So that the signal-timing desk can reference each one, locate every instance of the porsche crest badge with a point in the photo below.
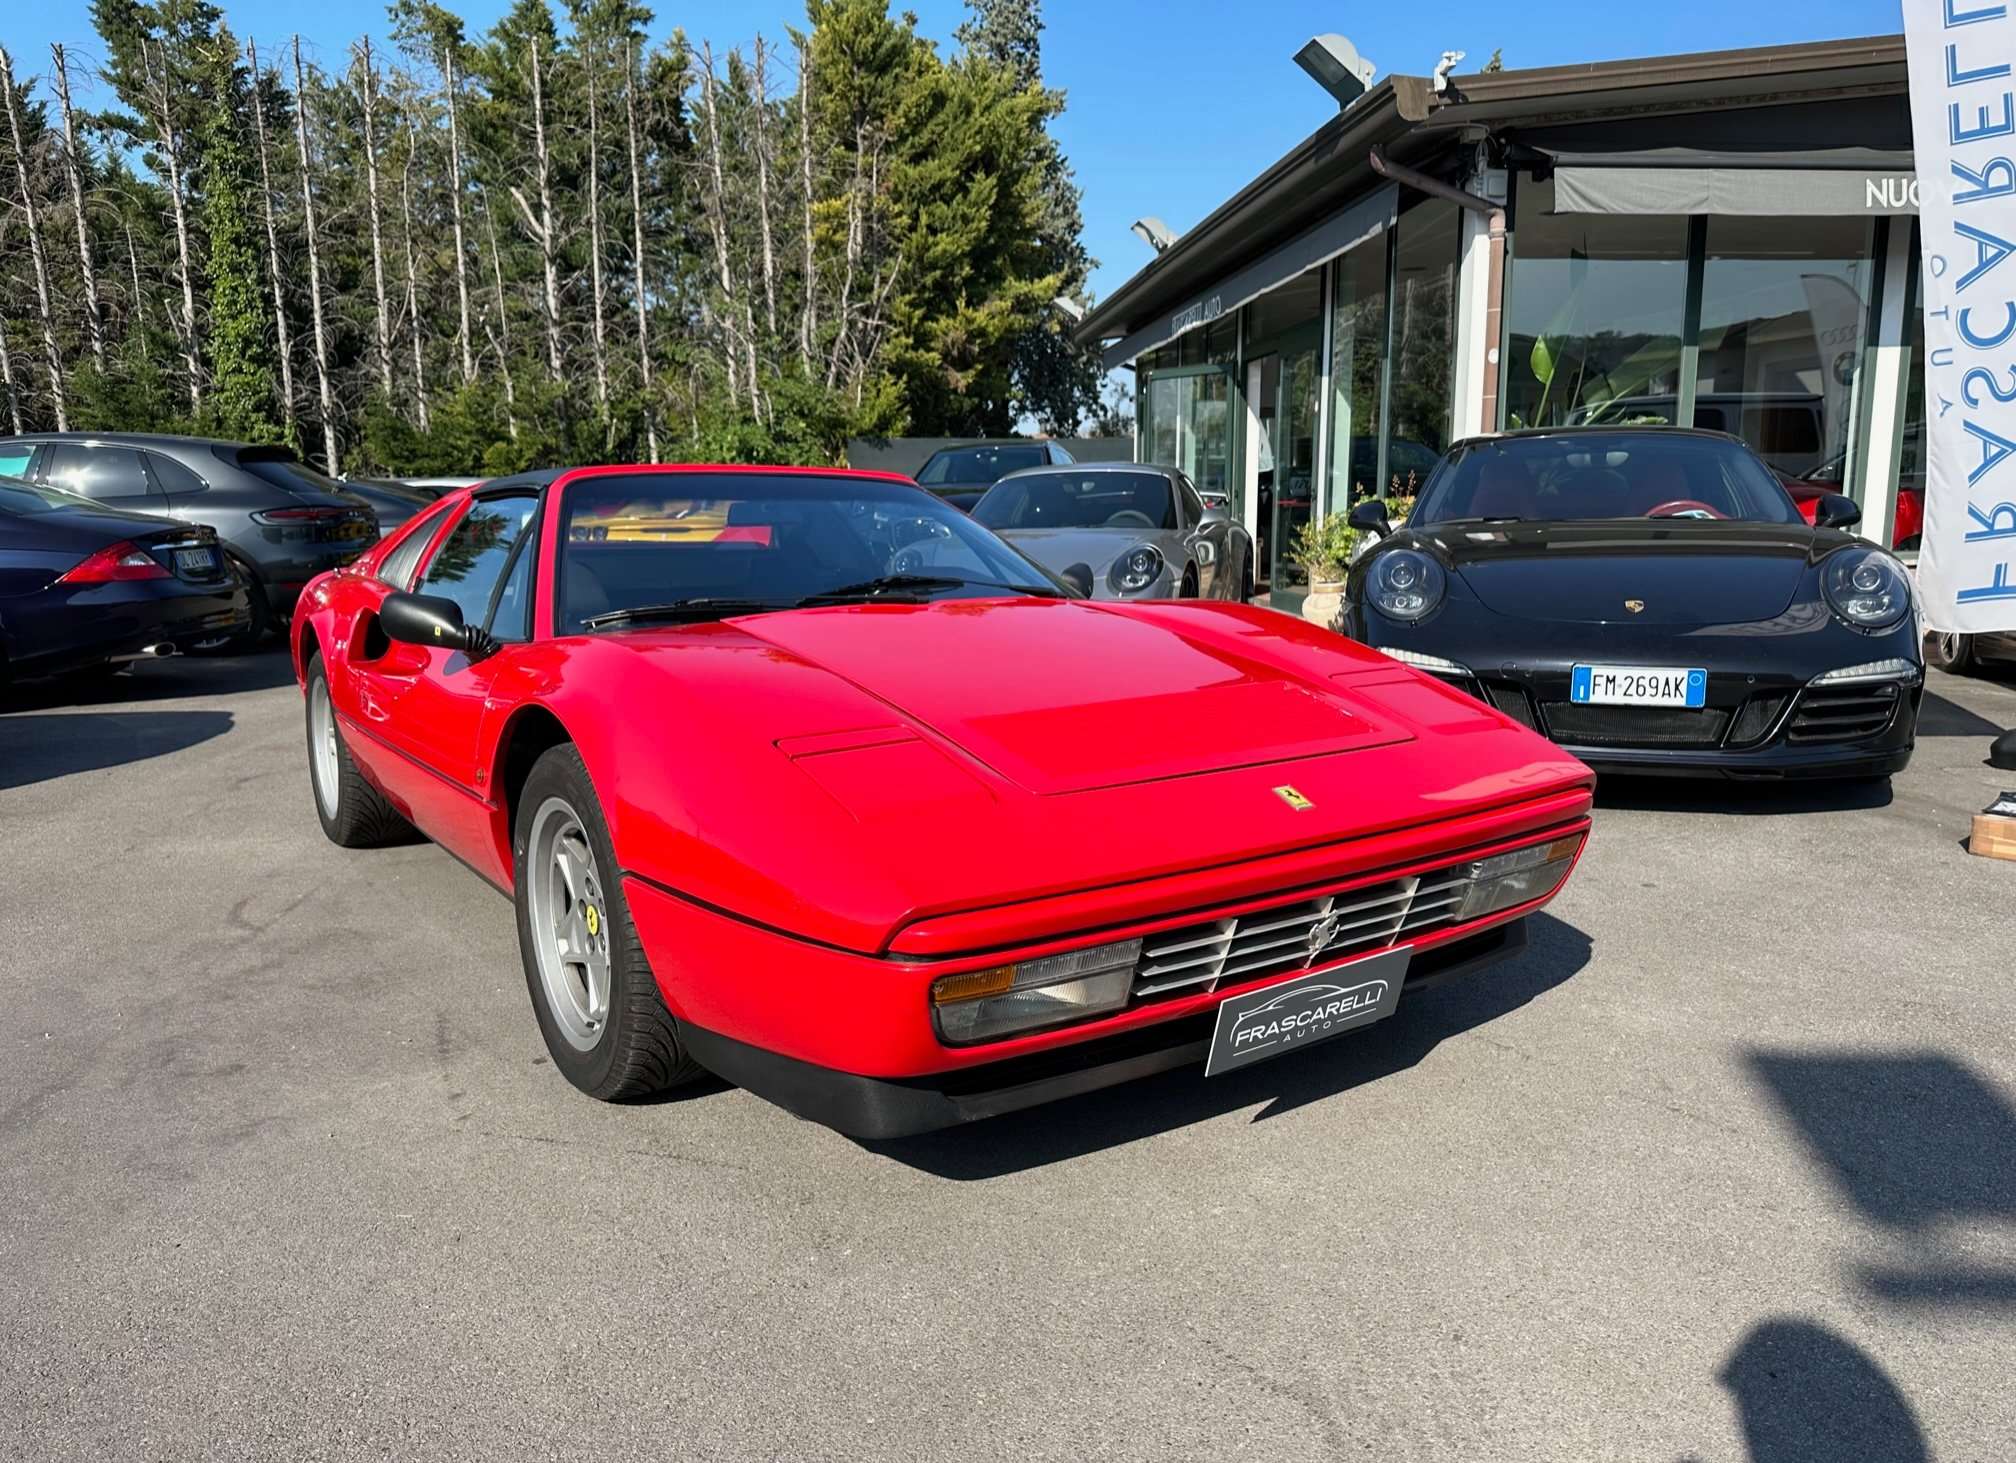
(1293, 799)
(1635, 606)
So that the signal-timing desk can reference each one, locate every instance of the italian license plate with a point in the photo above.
(202, 562)
(1305, 1009)
(1638, 685)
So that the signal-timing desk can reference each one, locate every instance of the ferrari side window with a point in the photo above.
(467, 567)
(512, 619)
(398, 566)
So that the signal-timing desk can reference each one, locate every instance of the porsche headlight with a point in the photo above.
(1135, 570)
(1404, 584)
(1866, 587)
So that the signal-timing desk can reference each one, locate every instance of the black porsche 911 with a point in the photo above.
(1653, 601)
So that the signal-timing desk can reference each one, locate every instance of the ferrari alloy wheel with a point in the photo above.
(570, 937)
(1950, 652)
(354, 814)
(592, 990)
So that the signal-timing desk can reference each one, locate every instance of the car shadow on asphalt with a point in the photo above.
(1116, 1116)
(1690, 795)
(156, 680)
(37, 748)
(1939, 717)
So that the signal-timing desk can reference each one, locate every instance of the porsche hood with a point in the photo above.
(1057, 549)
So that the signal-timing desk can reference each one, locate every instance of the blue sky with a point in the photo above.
(1173, 104)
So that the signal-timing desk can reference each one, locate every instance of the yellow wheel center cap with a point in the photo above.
(594, 920)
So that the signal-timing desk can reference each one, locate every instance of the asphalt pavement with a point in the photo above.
(1723, 1169)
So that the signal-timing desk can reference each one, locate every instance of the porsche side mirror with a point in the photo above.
(1212, 515)
(430, 619)
(1370, 517)
(1836, 510)
(1079, 577)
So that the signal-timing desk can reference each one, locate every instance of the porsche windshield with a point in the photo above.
(694, 544)
(1592, 475)
(977, 464)
(1079, 500)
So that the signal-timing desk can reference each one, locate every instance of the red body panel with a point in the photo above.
(819, 810)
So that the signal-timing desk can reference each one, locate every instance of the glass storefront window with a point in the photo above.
(1907, 506)
(1284, 353)
(1357, 346)
(1595, 310)
(1784, 320)
(1424, 342)
(1190, 427)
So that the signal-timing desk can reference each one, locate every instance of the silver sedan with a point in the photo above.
(1127, 530)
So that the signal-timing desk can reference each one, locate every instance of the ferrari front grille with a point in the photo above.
(1634, 726)
(1277, 940)
(1845, 715)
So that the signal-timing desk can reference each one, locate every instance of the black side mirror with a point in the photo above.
(429, 619)
(1370, 517)
(1079, 577)
(1836, 510)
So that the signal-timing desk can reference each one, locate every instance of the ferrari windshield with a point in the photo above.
(1596, 475)
(1068, 499)
(643, 546)
(977, 464)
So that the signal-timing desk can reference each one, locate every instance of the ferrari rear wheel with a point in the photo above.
(1951, 653)
(354, 814)
(592, 989)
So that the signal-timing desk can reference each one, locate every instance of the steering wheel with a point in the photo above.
(1130, 516)
(1684, 508)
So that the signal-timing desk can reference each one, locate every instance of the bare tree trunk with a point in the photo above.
(28, 208)
(637, 251)
(7, 380)
(854, 227)
(717, 214)
(324, 395)
(382, 330)
(591, 64)
(455, 199)
(133, 264)
(808, 319)
(171, 152)
(763, 191)
(542, 226)
(93, 320)
(413, 274)
(272, 244)
(502, 345)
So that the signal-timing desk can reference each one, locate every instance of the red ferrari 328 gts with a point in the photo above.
(805, 778)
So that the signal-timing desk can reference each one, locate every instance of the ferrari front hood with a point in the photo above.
(1061, 697)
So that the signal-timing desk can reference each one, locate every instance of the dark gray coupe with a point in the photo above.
(1137, 531)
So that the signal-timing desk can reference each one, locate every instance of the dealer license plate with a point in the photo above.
(1305, 1009)
(1638, 685)
(199, 562)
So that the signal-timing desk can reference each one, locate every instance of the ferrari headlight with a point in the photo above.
(1007, 1000)
(1514, 878)
(1135, 570)
(1404, 584)
(1866, 588)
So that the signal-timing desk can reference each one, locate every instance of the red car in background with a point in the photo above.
(806, 778)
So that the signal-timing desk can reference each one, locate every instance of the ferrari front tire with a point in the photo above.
(354, 814)
(593, 992)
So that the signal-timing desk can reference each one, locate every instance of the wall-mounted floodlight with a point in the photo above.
(1153, 232)
(1335, 65)
(1070, 307)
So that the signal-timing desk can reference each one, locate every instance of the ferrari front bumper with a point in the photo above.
(900, 1107)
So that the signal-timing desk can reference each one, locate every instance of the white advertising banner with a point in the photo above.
(1963, 122)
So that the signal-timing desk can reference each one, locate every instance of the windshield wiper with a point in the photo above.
(699, 607)
(885, 585)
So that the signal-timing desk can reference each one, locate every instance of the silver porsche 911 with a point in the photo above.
(1133, 530)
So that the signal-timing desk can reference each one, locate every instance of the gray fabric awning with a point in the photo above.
(1339, 234)
(1673, 189)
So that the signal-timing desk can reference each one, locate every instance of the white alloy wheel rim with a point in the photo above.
(322, 746)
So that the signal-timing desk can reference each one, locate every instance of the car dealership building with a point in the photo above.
(1727, 239)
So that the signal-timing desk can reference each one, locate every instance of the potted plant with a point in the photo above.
(1323, 550)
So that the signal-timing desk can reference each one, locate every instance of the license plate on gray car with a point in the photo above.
(1305, 1009)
